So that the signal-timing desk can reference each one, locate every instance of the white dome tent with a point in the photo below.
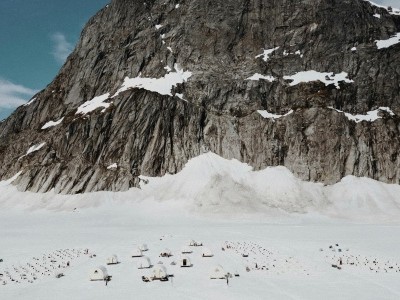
(191, 243)
(206, 253)
(112, 260)
(160, 272)
(137, 253)
(218, 273)
(185, 262)
(100, 273)
(144, 263)
(166, 253)
(186, 250)
(143, 247)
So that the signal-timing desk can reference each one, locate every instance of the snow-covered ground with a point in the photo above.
(277, 233)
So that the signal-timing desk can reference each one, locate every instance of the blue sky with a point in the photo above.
(36, 36)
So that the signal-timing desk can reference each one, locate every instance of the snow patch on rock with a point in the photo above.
(382, 44)
(162, 85)
(52, 123)
(327, 78)
(258, 76)
(267, 115)
(370, 116)
(94, 104)
(112, 166)
(265, 55)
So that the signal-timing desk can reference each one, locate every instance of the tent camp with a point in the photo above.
(218, 273)
(186, 250)
(185, 262)
(206, 253)
(143, 247)
(166, 253)
(160, 272)
(112, 260)
(137, 253)
(144, 263)
(100, 273)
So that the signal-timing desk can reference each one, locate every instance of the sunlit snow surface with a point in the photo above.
(283, 226)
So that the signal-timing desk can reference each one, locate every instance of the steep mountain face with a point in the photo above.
(313, 85)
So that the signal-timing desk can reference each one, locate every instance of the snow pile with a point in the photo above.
(258, 76)
(370, 116)
(163, 85)
(395, 11)
(210, 184)
(327, 78)
(93, 104)
(267, 115)
(265, 55)
(52, 123)
(382, 44)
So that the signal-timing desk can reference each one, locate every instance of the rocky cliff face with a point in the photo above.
(200, 56)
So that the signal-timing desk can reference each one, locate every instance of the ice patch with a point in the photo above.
(265, 55)
(327, 78)
(162, 85)
(52, 123)
(93, 104)
(370, 116)
(381, 44)
(267, 115)
(258, 76)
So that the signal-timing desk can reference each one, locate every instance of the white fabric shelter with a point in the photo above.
(166, 253)
(137, 253)
(185, 262)
(218, 273)
(99, 273)
(112, 260)
(206, 252)
(143, 247)
(144, 263)
(186, 250)
(160, 272)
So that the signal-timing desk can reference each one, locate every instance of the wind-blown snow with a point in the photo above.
(265, 55)
(370, 116)
(162, 85)
(382, 44)
(327, 78)
(258, 76)
(395, 11)
(94, 104)
(267, 115)
(52, 123)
